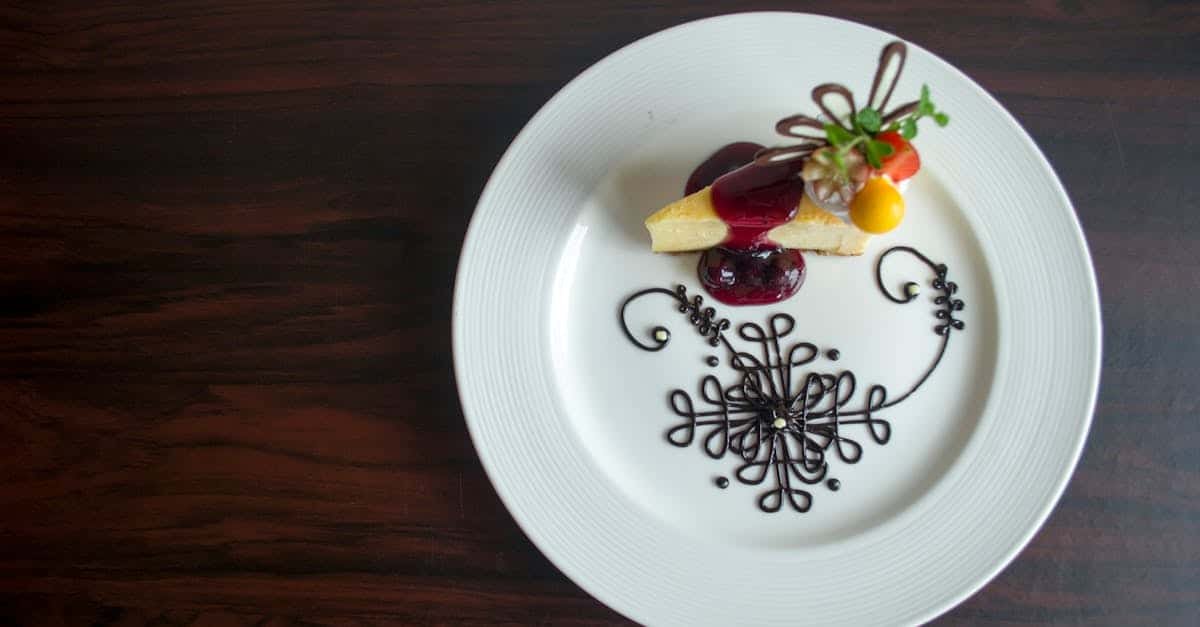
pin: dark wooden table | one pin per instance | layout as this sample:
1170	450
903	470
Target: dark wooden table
228	233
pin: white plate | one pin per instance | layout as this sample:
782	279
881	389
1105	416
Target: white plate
569	417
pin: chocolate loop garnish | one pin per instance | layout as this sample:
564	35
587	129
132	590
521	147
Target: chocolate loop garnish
781	325
809	347
787	127
659	335
753	473
785	154
899	112
821	92
778	422
681	403
701	317
895	50
938	270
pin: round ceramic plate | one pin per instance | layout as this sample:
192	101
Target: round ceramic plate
571	419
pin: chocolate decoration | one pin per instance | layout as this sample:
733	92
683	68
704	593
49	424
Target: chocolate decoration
834	485
712	361
899	112
701	317
894	49
787	126
821	92
786	154
833	354
814	141
722	482
782	423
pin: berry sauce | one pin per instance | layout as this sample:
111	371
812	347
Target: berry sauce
749	269
721	162
754	199
751	277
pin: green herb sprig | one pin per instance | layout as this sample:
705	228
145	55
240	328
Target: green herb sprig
868	123
925	108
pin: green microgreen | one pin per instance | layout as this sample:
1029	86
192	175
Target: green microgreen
907	126
868	120
867	123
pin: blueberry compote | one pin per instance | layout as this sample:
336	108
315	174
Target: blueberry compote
747	268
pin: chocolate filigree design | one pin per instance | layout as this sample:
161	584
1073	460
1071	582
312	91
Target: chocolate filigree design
949	304
701	317
780	418
811	130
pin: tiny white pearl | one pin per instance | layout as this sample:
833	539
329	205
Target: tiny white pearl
913	289
661	335
780	423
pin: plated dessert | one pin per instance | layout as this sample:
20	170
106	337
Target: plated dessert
571	419
752	209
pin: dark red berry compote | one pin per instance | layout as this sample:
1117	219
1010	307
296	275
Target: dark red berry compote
747	268
751	277
722	162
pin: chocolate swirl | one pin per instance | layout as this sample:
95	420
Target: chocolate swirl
780	420
700	317
813	129
821	93
895	50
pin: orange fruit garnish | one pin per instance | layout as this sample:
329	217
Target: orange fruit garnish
878	207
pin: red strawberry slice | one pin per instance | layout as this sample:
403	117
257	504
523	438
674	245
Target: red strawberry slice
903	162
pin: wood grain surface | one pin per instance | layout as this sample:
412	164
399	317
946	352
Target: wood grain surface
228	233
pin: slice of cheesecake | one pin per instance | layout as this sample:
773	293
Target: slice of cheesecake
692	223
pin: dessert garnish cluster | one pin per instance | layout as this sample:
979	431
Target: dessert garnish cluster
752	209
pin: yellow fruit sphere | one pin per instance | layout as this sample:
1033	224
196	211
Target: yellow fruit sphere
878	207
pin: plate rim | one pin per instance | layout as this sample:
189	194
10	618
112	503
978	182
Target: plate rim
471	243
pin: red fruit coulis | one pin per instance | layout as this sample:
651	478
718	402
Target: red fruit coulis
747	268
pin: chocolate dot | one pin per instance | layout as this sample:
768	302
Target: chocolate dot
833	484
722	482
834	354
712	361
